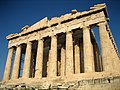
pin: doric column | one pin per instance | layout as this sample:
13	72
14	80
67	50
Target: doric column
81	56
99	58
8	64
106	47
96	57
16	67
62	62
27	62
53	58
48	63
88	51
39	59
77	57
69	54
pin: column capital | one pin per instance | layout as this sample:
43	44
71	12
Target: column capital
102	23
54	36
68	29
18	45
86	27
41	39
29	43
69	32
10	47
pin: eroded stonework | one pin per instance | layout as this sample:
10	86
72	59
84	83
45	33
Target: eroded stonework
62	53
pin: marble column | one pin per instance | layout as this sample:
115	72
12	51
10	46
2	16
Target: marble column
27	62
69	54
16	67
106	47
81	56
88	51
63	62
53	58
39	59
99	58
77	57
8	64
48	63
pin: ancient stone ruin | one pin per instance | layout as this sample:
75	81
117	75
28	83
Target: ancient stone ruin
63	54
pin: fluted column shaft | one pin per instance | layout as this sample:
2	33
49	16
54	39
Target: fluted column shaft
48	62
69	54
16	67
27	62
39	60
88	51
63	62
108	55
53	58
77	57
8	64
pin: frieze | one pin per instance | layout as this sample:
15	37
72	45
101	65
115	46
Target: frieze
23	39
76	23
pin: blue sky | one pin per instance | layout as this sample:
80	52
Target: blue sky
14	14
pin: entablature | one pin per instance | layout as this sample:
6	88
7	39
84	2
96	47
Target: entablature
89	20
64	19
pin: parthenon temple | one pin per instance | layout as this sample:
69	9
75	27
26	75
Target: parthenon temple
64	50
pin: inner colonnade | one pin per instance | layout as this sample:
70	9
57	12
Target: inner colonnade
73	52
